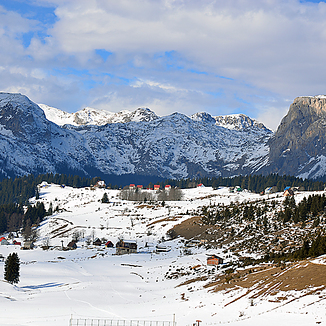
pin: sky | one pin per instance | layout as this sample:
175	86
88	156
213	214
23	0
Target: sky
221	57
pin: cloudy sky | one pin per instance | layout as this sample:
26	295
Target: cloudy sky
222	57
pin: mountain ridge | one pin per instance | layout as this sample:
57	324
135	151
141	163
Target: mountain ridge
98	143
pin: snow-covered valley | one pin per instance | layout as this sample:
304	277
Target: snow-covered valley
92	285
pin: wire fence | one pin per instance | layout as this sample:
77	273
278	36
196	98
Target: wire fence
114	322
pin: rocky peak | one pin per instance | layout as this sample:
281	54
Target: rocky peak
238	122
300	138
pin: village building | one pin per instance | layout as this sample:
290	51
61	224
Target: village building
97	242
100	184
126	247
140	187
288	192
72	245
4	241
161	248
214	260
167	187
109	244
156	187
132	186
200	185
28	245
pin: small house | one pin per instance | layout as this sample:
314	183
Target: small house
72	245
4	241
214	260
100	184
161	248
156	187
200	185
139	187
97	242
17	243
109	244
288	192
132	186
28	245
126	247
167	187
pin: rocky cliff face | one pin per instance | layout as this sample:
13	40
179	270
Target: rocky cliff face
298	145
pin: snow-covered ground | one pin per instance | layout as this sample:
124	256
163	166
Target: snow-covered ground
94	283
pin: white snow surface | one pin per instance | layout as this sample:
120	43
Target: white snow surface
94	283
90	116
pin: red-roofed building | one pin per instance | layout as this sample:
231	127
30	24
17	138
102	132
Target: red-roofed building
156	187
167	187
214	260
132	186
139	186
200	185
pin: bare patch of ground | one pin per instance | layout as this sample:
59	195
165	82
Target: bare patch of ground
269	280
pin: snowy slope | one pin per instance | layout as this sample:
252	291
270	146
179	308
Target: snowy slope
94	284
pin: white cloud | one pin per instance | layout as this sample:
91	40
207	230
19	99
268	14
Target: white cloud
269	50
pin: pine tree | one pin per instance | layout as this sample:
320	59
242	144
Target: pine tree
105	198
12	265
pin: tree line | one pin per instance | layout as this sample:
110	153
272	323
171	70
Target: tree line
254	183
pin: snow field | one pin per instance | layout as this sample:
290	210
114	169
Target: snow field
95	283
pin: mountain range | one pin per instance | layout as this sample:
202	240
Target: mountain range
140	145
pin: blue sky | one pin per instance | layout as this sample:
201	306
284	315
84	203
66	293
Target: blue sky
222	57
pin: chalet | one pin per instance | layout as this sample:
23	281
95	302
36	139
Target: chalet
161	248
288	192
126	247
4	241
139	187
132	186
97	242
156	187
200	185
72	244
214	260
17	243
167	187
268	190
100	184
28	245
109	244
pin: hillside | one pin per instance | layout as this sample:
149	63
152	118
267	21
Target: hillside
93	282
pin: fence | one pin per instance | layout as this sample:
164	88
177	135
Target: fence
114	322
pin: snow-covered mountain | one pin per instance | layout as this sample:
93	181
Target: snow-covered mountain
89	116
91	142
141	143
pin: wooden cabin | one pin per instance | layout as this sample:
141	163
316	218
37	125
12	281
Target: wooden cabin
214	260
126	247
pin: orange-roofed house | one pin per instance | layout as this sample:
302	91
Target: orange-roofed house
214	260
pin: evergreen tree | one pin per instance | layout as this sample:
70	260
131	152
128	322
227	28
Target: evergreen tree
12	265
105	198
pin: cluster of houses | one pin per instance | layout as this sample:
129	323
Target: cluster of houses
7	242
288	191
155	187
